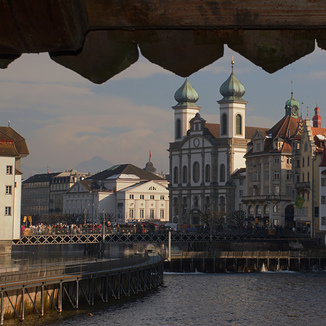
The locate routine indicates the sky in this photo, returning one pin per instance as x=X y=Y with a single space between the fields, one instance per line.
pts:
x=66 y=119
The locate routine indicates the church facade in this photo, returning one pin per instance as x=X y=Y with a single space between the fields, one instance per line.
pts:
x=204 y=157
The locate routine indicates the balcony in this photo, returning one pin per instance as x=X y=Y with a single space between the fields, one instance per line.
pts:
x=302 y=185
x=266 y=198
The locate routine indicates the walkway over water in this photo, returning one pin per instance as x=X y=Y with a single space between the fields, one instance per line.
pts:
x=35 y=288
x=153 y=237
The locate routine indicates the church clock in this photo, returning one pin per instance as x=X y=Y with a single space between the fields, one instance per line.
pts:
x=295 y=111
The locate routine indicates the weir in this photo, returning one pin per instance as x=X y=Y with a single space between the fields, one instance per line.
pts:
x=246 y=261
x=36 y=289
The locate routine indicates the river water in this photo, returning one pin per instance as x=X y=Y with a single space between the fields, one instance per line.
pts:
x=270 y=298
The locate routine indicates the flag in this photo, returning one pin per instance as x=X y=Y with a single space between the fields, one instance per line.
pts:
x=150 y=155
x=299 y=201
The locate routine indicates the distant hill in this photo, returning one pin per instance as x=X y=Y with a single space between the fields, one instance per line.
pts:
x=95 y=164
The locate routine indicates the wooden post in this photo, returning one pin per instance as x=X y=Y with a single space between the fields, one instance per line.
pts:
x=77 y=294
x=60 y=297
x=23 y=305
x=1 y=315
x=42 y=300
x=169 y=246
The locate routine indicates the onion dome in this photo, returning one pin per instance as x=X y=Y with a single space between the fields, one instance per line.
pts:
x=232 y=89
x=186 y=95
x=292 y=107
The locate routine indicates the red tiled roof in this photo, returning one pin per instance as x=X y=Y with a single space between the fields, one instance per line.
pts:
x=7 y=134
x=286 y=127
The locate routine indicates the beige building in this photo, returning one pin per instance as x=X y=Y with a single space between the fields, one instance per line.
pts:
x=307 y=158
x=269 y=176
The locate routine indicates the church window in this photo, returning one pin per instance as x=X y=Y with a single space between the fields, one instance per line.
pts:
x=222 y=173
x=207 y=173
x=175 y=174
x=195 y=172
x=224 y=124
x=178 y=129
x=184 y=174
x=196 y=201
x=238 y=122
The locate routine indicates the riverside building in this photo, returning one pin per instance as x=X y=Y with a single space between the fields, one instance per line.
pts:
x=205 y=156
x=13 y=148
x=122 y=193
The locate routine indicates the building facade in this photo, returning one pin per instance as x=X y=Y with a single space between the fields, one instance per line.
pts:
x=204 y=156
x=42 y=194
x=123 y=193
x=12 y=148
x=60 y=184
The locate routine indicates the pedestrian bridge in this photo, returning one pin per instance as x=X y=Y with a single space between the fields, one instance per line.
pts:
x=46 y=239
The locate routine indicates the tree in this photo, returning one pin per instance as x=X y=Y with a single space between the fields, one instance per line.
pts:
x=237 y=219
x=213 y=220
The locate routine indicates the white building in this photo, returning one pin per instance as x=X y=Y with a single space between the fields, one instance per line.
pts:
x=204 y=156
x=12 y=148
x=124 y=193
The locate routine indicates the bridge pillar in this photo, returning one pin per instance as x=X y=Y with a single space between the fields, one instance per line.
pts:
x=5 y=247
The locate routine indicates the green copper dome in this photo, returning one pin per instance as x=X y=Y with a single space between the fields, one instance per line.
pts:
x=186 y=94
x=232 y=89
x=292 y=107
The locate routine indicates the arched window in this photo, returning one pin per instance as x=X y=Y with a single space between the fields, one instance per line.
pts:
x=258 y=210
x=224 y=124
x=222 y=173
x=195 y=172
x=175 y=174
x=238 y=124
x=250 y=210
x=184 y=174
x=266 y=210
x=207 y=173
x=178 y=129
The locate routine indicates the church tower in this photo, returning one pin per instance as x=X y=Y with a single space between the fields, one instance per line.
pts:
x=316 y=120
x=185 y=110
x=292 y=107
x=232 y=108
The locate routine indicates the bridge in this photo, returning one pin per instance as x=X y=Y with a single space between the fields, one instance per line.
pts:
x=45 y=239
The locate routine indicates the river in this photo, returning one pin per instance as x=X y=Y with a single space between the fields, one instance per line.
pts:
x=267 y=298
